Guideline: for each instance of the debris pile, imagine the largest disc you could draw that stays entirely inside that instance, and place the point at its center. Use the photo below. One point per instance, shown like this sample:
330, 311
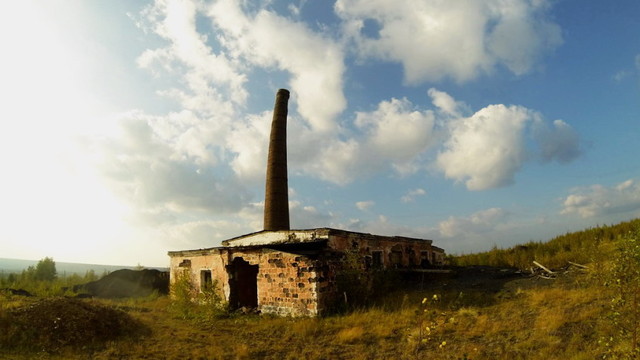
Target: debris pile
127, 283
543, 272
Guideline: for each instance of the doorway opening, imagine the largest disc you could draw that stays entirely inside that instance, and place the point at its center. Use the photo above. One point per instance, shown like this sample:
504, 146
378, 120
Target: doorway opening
243, 284
206, 280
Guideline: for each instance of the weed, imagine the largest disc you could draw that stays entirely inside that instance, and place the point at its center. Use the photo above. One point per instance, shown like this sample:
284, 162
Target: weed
624, 285
191, 304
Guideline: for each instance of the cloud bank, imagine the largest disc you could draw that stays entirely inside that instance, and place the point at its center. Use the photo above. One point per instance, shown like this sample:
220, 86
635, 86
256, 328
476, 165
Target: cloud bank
595, 200
460, 39
209, 155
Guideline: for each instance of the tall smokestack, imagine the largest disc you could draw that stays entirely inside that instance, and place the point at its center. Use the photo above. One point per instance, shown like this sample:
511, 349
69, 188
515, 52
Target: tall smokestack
276, 202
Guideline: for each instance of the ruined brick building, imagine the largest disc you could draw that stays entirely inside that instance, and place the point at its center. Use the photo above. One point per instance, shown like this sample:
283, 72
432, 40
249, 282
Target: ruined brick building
295, 272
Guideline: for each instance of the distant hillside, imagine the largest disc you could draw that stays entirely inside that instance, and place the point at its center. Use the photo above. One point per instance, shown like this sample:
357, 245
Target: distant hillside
8, 266
581, 246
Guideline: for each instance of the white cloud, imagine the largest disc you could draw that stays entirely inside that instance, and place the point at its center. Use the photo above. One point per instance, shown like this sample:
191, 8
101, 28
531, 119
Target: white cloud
394, 135
521, 33
365, 205
598, 200
206, 72
411, 195
459, 39
141, 165
249, 140
446, 104
198, 160
339, 162
481, 222
559, 142
486, 149
314, 61
396, 131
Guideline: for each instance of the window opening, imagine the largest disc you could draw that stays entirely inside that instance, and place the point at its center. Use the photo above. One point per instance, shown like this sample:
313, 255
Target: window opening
376, 259
424, 259
206, 280
185, 263
395, 256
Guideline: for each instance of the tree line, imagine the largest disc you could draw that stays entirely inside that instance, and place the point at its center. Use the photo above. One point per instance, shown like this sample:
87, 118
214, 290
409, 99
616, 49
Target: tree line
43, 279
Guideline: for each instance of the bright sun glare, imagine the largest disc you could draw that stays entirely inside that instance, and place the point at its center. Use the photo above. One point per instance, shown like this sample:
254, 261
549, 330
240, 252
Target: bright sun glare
53, 198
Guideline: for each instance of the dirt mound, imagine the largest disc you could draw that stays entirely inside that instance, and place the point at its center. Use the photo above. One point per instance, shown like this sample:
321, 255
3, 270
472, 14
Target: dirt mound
19, 292
50, 324
127, 283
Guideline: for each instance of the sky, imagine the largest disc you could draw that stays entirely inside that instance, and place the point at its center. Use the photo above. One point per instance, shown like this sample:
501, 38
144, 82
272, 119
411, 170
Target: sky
129, 129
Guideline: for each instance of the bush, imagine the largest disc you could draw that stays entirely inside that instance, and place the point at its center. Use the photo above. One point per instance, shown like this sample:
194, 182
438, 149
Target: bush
189, 303
624, 283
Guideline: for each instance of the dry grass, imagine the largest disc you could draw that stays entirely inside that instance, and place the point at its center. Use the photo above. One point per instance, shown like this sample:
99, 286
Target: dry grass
350, 335
561, 320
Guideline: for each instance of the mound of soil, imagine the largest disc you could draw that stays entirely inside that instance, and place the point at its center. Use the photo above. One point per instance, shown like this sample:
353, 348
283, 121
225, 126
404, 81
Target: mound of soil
127, 283
18, 292
50, 324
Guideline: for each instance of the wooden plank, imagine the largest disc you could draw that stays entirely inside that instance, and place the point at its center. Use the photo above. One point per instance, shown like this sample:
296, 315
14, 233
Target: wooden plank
542, 267
578, 265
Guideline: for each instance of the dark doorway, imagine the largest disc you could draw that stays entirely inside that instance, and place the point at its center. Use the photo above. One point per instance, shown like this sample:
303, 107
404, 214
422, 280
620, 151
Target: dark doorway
395, 256
376, 259
243, 284
206, 281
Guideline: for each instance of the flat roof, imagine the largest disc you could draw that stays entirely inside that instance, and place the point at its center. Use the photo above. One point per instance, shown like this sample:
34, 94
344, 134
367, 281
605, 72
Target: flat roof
267, 238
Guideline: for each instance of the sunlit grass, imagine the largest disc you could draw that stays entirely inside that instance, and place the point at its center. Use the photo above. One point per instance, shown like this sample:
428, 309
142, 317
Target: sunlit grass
553, 322
525, 318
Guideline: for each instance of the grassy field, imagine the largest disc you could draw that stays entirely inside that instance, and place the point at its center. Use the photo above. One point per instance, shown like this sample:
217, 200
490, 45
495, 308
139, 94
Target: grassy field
483, 313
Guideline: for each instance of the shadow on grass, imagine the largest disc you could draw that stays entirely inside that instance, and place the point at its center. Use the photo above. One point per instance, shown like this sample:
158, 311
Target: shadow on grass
477, 286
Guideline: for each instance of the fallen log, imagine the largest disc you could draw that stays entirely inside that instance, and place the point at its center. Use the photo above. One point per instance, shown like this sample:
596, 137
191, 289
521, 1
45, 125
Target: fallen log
578, 265
542, 267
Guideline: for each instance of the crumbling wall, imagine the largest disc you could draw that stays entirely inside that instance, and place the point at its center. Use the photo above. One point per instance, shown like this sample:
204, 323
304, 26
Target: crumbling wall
391, 252
357, 267
350, 266
286, 282
193, 263
342, 280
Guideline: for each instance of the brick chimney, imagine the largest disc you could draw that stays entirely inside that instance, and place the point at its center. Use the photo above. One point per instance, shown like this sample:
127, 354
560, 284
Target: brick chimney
276, 200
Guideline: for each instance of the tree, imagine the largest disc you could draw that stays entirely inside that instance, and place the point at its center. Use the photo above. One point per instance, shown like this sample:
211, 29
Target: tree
46, 270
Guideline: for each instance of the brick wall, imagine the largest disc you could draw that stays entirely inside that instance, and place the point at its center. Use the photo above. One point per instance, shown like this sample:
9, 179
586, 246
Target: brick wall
296, 285
408, 252
286, 283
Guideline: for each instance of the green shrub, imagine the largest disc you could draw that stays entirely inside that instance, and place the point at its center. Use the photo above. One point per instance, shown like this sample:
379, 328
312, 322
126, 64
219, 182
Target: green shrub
624, 284
189, 303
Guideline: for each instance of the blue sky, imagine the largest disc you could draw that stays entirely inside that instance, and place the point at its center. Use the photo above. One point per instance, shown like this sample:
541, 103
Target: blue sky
134, 128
